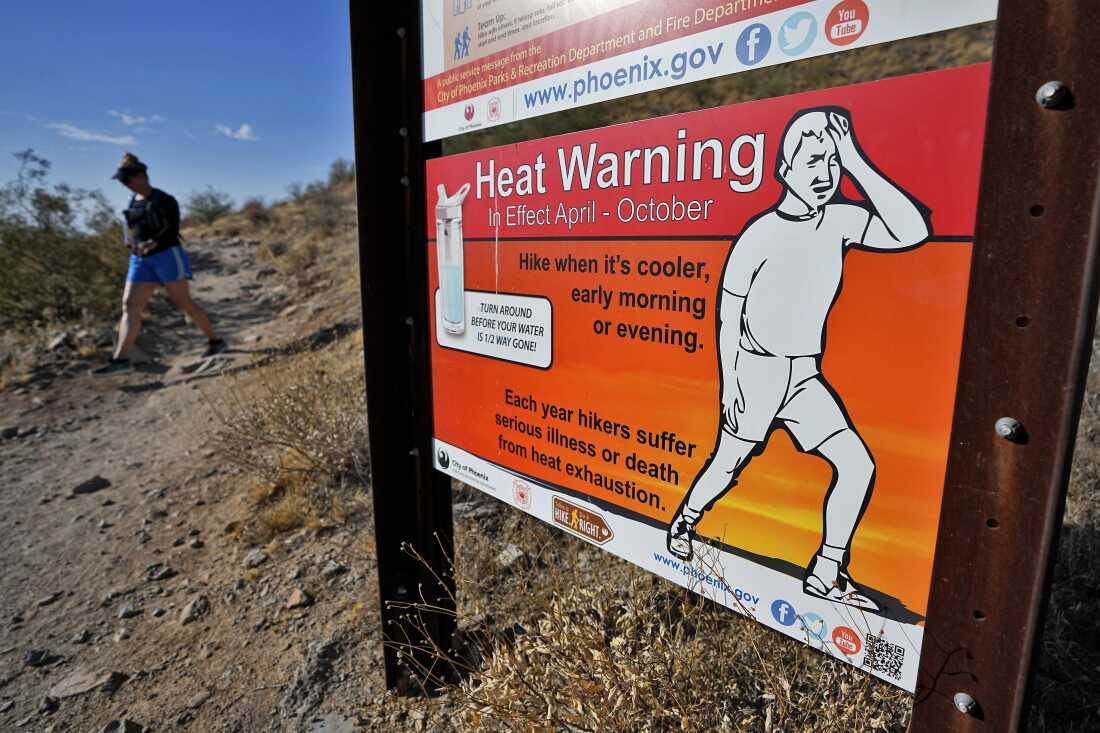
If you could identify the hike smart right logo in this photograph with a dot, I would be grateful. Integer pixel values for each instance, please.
(585, 522)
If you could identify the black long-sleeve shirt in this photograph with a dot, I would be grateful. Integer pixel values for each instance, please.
(156, 217)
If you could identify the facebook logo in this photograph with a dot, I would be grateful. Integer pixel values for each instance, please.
(753, 44)
(783, 612)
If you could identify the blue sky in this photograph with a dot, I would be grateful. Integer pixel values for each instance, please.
(245, 96)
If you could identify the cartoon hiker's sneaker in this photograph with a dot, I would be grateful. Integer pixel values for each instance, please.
(826, 579)
(681, 531)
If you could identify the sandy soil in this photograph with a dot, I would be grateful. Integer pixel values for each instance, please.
(99, 582)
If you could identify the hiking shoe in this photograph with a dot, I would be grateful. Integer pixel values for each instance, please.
(681, 531)
(214, 347)
(114, 366)
(826, 578)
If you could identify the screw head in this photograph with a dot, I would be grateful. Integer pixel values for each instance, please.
(1051, 95)
(964, 703)
(1008, 428)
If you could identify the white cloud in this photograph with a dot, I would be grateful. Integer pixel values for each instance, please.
(244, 132)
(64, 129)
(129, 120)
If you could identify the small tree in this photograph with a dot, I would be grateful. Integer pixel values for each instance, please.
(341, 171)
(296, 191)
(61, 254)
(256, 211)
(206, 207)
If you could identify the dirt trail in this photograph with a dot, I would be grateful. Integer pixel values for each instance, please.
(98, 582)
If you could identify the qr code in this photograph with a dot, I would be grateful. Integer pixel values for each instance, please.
(884, 657)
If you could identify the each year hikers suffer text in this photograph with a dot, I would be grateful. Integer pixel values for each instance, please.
(545, 421)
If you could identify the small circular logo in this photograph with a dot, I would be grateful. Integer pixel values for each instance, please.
(783, 612)
(797, 33)
(815, 628)
(753, 44)
(847, 641)
(443, 458)
(846, 22)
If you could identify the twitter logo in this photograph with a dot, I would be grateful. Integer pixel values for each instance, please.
(797, 33)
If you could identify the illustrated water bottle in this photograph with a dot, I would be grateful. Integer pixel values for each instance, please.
(449, 255)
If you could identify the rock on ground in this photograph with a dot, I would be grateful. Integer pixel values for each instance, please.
(299, 599)
(83, 680)
(195, 609)
(307, 691)
(255, 559)
(123, 726)
(92, 485)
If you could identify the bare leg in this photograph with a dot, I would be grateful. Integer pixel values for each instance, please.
(853, 478)
(718, 476)
(134, 299)
(180, 295)
(851, 489)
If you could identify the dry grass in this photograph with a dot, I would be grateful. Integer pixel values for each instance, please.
(569, 638)
(1066, 695)
(297, 431)
(308, 238)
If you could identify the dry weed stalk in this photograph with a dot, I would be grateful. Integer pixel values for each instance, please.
(297, 428)
(639, 655)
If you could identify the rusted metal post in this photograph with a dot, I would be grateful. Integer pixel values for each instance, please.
(1028, 338)
(412, 502)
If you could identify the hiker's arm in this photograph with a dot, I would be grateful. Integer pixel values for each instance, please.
(897, 221)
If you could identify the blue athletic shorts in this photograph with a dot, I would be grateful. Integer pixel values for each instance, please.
(169, 266)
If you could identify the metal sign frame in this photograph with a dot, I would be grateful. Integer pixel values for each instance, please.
(1027, 343)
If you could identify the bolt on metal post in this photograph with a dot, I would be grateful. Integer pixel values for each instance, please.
(1052, 95)
(1009, 428)
(964, 703)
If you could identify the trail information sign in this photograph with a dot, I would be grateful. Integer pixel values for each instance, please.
(819, 357)
(489, 63)
(724, 345)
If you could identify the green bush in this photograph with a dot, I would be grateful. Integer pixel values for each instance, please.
(341, 171)
(206, 207)
(61, 257)
(256, 212)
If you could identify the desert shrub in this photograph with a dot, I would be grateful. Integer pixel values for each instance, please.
(297, 430)
(323, 212)
(295, 191)
(206, 207)
(61, 257)
(341, 171)
(256, 212)
(591, 643)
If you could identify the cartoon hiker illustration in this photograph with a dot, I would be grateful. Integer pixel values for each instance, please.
(781, 279)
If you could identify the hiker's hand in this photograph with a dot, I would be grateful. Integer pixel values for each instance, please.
(144, 248)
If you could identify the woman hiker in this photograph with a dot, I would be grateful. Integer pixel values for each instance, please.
(157, 258)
